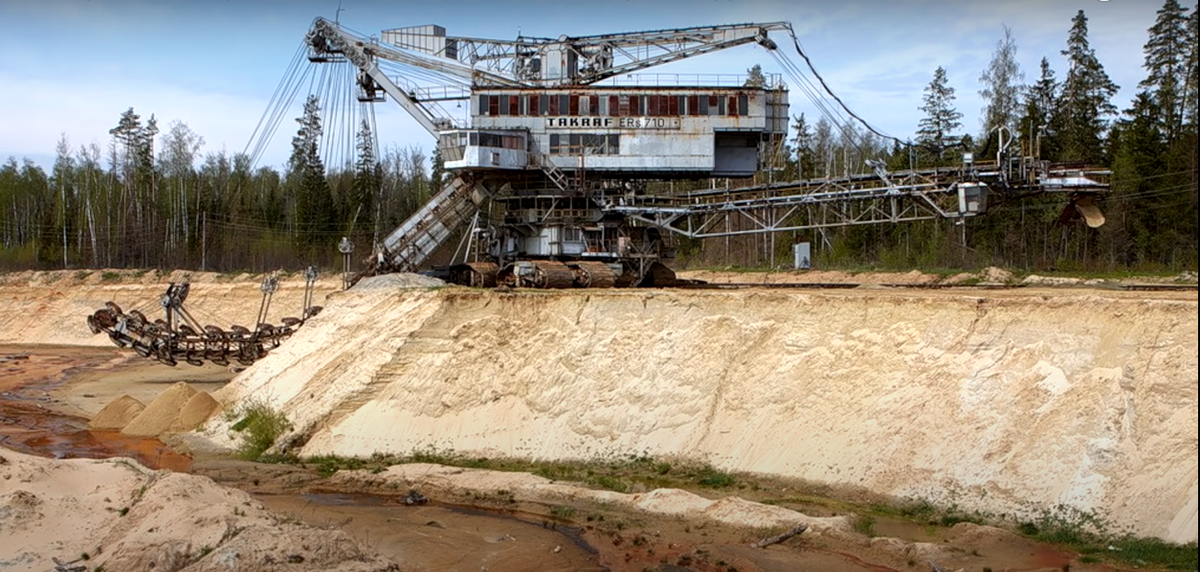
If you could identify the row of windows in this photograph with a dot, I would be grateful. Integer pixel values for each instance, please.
(484, 140)
(584, 144)
(560, 143)
(614, 105)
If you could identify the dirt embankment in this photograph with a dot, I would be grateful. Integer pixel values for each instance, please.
(1013, 402)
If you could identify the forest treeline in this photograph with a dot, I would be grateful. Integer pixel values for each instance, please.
(151, 199)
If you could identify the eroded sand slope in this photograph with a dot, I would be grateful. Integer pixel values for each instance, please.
(114, 514)
(1009, 402)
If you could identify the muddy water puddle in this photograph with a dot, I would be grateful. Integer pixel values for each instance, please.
(447, 539)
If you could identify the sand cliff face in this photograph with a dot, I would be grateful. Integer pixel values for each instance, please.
(1009, 402)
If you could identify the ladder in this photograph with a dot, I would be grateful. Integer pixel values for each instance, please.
(411, 243)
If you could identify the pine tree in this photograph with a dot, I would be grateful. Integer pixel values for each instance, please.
(1156, 151)
(1137, 166)
(802, 144)
(1038, 121)
(1191, 82)
(437, 175)
(755, 77)
(313, 199)
(125, 136)
(1167, 51)
(935, 130)
(1086, 99)
(1001, 90)
(367, 178)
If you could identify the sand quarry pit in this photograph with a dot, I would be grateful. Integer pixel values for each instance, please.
(1056, 395)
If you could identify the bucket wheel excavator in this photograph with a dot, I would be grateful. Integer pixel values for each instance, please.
(179, 337)
(562, 175)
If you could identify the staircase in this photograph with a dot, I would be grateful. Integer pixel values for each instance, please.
(411, 243)
(556, 175)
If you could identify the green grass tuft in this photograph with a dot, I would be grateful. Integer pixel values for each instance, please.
(865, 524)
(260, 426)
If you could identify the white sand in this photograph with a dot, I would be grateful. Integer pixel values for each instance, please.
(1000, 401)
(126, 517)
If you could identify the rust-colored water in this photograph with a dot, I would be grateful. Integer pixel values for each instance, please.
(31, 421)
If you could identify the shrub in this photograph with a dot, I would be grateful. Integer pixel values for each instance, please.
(865, 524)
(260, 425)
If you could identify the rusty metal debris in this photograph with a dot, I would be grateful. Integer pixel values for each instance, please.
(180, 337)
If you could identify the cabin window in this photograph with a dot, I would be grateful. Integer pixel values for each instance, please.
(584, 144)
(496, 140)
(533, 105)
(452, 145)
(743, 103)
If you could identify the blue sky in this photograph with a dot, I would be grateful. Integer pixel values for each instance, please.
(72, 66)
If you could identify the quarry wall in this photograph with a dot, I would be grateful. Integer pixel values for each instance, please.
(1006, 402)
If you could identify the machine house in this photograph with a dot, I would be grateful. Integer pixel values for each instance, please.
(671, 132)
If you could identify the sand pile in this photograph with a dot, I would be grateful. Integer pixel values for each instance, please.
(994, 275)
(123, 516)
(398, 280)
(198, 408)
(117, 414)
(180, 408)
